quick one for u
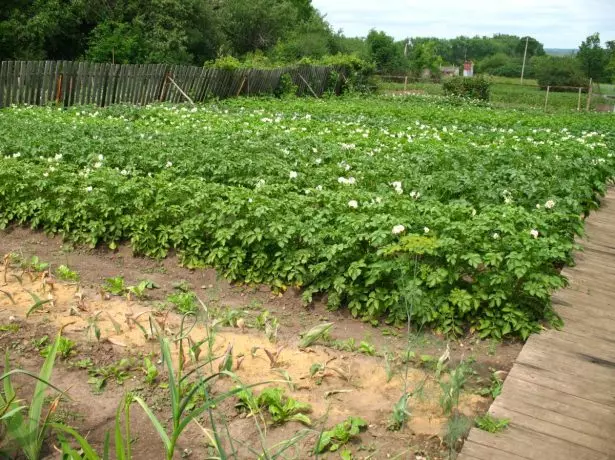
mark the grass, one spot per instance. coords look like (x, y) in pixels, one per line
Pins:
(490, 423)
(508, 92)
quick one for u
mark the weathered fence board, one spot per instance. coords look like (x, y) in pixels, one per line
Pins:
(69, 83)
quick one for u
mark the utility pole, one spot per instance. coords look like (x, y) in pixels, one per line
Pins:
(524, 56)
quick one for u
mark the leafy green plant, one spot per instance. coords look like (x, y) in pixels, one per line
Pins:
(401, 414)
(283, 408)
(28, 430)
(150, 371)
(119, 372)
(490, 423)
(140, 290)
(367, 348)
(115, 285)
(494, 389)
(66, 274)
(35, 264)
(65, 348)
(331, 440)
(184, 302)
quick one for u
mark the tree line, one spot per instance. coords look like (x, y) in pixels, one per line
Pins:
(265, 33)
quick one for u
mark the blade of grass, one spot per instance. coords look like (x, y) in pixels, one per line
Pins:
(87, 449)
(157, 425)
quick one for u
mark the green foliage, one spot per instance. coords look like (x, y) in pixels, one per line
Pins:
(184, 302)
(401, 414)
(592, 58)
(467, 87)
(115, 285)
(65, 348)
(315, 334)
(385, 52)
(150, 370)
(495, 387)
(559, 71)
(28, 430)
(457, 427)
(286, 87)
(490, 423)
(66, 274)
(331, 440)
(283, 408)
(479, 266)
(140, 290)
(367, 348)
(451, 386)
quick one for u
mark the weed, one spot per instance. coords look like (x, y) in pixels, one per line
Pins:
(400, 414)
(140, 290)
(348, 345)
(85, 363)
(451, 387)
(389, 365)
(283, 408)
(99, 376)
(490, 423)
(65, 348)
(494, 389)
(115, 285)
(66, 274)
(28, 431)
(268, 323)
(150, 371)
(40, 343)
(184, 302)
(457, 427)
(34, 264)
(92, 328)
(313, 335)
(367, 348)
(331, 440)
(11, 328)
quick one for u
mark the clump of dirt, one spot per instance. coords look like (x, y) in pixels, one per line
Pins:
(355, 385)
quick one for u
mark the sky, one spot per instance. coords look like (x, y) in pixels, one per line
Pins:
(555, 23)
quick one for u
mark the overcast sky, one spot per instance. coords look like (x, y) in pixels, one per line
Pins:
(555, 23)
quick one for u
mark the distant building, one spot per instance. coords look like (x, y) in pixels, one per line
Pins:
(449, 71)
(468, 69)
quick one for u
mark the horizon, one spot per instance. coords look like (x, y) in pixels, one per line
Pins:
(557, 24)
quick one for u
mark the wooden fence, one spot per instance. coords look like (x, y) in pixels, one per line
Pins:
(71, 83)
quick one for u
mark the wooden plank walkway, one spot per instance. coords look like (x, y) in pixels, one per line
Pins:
(560, 393)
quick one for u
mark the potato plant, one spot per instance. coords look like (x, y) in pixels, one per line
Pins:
(464, 212)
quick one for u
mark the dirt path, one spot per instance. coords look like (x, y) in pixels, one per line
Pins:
(367, 386)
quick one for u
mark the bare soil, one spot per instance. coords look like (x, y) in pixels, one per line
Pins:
(368, 391)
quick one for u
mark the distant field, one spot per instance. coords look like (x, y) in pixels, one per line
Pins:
(508, 92)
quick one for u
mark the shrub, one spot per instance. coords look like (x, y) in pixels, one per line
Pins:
(559, 71)
(474, 87)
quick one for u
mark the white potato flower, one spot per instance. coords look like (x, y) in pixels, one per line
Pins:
(398, 229)
(353, 204)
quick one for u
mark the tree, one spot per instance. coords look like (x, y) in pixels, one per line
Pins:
(558, 71)
(385, 52)
(592, 57)
(256, 24)
(423, 56)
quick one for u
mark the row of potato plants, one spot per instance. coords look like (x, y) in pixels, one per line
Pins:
(453, 215)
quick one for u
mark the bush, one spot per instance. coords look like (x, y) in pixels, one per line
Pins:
(559, 71)
(351, 73)
(470, 87)
(285, 87)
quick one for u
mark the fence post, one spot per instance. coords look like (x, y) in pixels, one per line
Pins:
(405, 83)
(589, 95)
(579, 103)
(547, 97)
